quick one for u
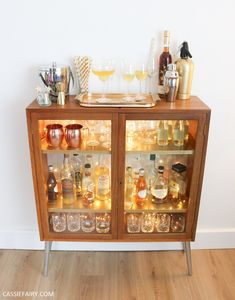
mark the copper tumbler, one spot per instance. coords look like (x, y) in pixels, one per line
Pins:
(73, 135)
(55, 135)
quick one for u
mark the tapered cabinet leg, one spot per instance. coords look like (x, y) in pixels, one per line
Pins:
(187, 249)
(46, 257)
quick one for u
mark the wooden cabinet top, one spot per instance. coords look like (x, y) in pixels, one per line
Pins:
(179, 106)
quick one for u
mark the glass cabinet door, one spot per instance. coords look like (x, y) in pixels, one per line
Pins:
(159, 159)
(77, 168)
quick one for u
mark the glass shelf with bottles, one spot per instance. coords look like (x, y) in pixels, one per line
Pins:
(66, 136)
(79, 183)
(162, 136)
(154, 223)
(156, 183)
(81, 223)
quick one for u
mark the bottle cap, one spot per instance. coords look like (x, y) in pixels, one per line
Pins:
(160, 169)
(87, 166)
(179, 168)
(184, 51)
(166, 33)
(141, 171)
(129, 168)
(50, 168)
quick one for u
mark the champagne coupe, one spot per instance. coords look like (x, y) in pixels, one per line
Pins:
(103, 70)
(128, 74)
(141, 74)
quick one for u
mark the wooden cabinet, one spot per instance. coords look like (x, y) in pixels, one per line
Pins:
(126, 137)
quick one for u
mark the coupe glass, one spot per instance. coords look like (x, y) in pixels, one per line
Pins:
(128, 74)
(141, 74)
(103, 70)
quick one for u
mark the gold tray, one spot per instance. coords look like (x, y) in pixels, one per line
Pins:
(116, 100)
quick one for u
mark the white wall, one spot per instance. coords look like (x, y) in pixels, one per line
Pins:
(34, 33)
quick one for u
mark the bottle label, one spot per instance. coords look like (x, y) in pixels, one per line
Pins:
(67, 187)
(78, 179)
(159, 193)
(142, 194)
(103, 184)
(173, 189)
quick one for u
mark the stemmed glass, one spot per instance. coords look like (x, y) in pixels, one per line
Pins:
(141, 74)
(128, 74)
(103, 70)
(152, 73)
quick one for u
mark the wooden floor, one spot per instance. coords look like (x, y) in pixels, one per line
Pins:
(120, 275)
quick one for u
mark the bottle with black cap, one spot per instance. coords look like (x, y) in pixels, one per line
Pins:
(177, 182)
(159, 188)
(184, 67)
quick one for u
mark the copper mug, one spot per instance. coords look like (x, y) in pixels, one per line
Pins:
(73, 135)
(55, 135)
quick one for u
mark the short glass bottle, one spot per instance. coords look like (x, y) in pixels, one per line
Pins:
(141, 189)
(159, 188)
(177, 182)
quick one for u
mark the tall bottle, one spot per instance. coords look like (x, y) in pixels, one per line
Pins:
(77, 168)
(88, 186)
(67, 181)
(51, 185)
(159, 188)
(178, 133)
(129, 180)
(164, 60)
(141, 188)
(102, 181)
(162, 133)
(185, 68)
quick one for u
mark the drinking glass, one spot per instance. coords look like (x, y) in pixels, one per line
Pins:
(88, 222)
(150, 132)
(177, 223)
(163, 222)
(103, 223)
(128, 74)
(73, 222)
(59, 222)
(92, 139)
(141, 74)
(147, 222)
(103, 70)
(152, 73)
(133, 223)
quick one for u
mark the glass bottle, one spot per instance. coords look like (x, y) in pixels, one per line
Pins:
(51, 185)
(164, 60)
(67, 181)
(102, 181)
(162, 133)
(178, 133)
(159, 188)
(186, 130)
(87, 186)
(170, 129)
(77, 167)
(141, 189)
(129, 185)
(177, 182)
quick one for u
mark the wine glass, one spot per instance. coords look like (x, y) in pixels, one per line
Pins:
(92, 139)
(128, 74)
(141, 74)
(103, 70)
(152, 73)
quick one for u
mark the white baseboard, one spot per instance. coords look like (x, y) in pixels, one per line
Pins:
(205, 239)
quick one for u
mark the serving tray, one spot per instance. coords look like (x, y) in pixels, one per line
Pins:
(116, 100)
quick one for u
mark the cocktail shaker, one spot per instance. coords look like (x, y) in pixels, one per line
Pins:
(171, 82)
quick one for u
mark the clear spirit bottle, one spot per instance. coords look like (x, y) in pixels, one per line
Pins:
(102, 181)
(88, 186)
(162, 133)
(159, 188)
(178, 133)
(177, 182)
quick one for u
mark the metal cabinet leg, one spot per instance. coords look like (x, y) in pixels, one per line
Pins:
(187, 249)
(184, 249)
(46, 257)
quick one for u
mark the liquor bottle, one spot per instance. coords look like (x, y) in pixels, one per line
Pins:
(88, 186)
(51, 185)
(178, 133)
(186, 130)
(141, 188)
(102, 181)
(170, 129)
(159, 188)
(162, 133)
(129, 185)
(164, 60)
(67, 181)
(77, 168)
(177, 182)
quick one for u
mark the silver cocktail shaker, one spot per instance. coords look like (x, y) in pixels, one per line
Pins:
(171, 83)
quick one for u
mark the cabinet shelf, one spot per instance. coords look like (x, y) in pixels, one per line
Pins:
(78, 207)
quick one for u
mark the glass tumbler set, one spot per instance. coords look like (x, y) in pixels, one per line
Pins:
(85, 222)
(151, 222)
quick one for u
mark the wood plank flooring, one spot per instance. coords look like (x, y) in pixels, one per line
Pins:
(120, 275)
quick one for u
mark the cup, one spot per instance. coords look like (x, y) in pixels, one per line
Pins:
(177, 223)
(59, 222)
(54, 135)
(73, 135)
(88, 223)
(103, 223)
(163, 222)
(147, 222)
(133, 223)
(73, 222)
